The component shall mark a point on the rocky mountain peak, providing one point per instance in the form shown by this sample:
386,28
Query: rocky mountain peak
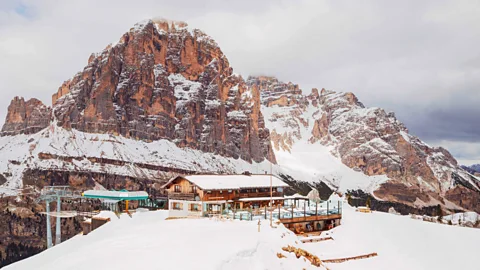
161,80
26,117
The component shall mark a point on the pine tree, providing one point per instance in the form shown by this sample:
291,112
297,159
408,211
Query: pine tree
369,202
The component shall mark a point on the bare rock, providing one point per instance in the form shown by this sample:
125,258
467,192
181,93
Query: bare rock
26,117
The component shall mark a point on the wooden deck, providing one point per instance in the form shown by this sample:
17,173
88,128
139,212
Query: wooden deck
310,218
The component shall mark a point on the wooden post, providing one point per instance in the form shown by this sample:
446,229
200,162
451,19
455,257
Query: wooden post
292,210
327,208
304,208
265,212
279,214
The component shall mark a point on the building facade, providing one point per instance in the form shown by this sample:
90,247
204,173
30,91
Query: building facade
220,192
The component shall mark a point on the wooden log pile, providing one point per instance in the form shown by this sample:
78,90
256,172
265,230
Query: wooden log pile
341,260
314,260
314,240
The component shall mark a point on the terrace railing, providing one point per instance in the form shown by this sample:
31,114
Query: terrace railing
316,211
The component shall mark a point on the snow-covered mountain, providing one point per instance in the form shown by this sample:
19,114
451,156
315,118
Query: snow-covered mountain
332,137
164,100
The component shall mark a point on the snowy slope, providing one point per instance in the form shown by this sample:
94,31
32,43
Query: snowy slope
147,241
401,243
312,162
72,150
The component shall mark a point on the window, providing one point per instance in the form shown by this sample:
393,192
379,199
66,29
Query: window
177,206
176,188
280,189
194,207
193,189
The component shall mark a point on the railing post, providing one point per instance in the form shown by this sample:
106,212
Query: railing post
304,209
292,211
265,212
279,214
327,208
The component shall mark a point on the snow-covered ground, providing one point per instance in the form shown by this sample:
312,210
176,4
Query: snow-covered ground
149,241
401,243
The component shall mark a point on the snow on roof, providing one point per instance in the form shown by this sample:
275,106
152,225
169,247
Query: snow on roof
217,182
120,195
296,196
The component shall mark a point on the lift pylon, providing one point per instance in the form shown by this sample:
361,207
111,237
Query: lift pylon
50,194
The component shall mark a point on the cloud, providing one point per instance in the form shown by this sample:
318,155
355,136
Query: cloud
417,58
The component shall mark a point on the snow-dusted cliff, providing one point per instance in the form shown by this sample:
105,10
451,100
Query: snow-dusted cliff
332,137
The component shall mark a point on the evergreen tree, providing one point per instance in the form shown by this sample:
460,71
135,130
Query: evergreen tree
369,202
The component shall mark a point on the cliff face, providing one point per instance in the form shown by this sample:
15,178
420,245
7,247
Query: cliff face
26,117
165,81
367,140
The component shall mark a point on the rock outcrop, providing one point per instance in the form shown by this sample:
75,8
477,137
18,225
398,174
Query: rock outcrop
163,80
26,117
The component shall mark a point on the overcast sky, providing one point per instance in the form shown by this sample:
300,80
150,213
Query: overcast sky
420,59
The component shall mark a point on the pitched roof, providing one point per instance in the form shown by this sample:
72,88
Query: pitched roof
224,182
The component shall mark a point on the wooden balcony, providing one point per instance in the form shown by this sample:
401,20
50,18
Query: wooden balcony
182,196
258,195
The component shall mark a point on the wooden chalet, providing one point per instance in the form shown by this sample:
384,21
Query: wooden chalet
237,191
247,197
